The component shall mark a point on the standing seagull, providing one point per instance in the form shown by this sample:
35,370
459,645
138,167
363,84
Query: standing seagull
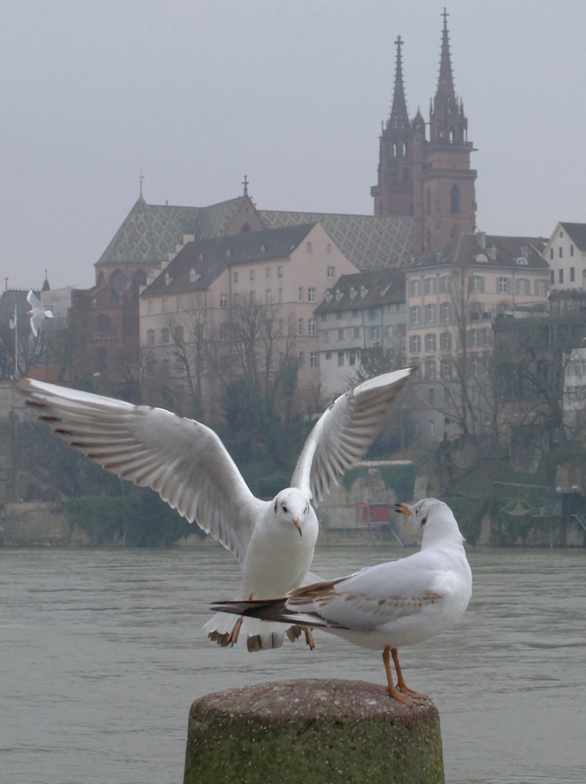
392,604
187,464
38,313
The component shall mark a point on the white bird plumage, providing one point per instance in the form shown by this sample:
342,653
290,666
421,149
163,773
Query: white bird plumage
187,464
390,605
38,313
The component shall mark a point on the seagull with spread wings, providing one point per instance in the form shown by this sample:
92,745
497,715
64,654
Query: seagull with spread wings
390,605
38,313
187,464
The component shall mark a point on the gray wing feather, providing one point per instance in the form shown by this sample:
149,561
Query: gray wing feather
345,431
183,460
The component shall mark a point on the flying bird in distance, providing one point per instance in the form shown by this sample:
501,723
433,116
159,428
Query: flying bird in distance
38,313
187,464
390,605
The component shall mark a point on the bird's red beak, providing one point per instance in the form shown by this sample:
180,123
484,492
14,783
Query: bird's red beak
403,509
297,525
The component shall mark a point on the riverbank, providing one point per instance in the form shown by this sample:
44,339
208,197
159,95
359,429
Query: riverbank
45,524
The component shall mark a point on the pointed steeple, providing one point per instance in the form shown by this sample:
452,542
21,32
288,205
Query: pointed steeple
399,119
445,85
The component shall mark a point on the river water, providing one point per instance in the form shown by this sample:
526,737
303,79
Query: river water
102,653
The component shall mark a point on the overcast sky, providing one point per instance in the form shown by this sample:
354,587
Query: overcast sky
289,92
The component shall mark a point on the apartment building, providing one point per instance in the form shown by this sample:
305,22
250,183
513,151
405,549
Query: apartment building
362,311
277,275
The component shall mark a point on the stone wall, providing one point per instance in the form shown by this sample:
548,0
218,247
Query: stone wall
33,524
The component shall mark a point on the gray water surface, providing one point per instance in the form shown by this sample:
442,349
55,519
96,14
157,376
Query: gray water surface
102,653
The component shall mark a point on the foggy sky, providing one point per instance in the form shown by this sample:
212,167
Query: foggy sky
289,92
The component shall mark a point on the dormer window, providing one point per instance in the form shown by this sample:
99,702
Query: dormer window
167,279
353,292
228,252
339,295
262,248
329,296
521,260
192,276
363,291
481,258
201,256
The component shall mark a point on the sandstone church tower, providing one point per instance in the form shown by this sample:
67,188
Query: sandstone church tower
428,179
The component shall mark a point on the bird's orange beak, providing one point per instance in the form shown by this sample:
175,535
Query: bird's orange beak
297,525
402,509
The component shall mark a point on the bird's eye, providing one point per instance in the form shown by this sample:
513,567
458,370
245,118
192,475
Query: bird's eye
284,508
423,522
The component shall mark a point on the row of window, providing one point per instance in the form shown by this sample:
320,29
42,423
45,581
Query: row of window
476,283
341,357
355,333
560,252
430,313
476,367
395,307
561,275
476,338
310,326
178,336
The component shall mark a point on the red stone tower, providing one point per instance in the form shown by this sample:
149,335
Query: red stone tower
430,180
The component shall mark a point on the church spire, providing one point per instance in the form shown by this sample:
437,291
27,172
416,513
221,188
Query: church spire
399,119
446,93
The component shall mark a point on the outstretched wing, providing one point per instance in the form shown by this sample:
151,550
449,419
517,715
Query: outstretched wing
183,460
345,431
34,301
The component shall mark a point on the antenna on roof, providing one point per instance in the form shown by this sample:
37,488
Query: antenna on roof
141,178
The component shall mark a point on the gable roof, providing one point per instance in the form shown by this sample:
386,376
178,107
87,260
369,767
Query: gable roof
368,241
577,232
209,258
365,290
151,231
486,251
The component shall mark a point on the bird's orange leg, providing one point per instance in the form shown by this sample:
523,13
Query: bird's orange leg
400,680
309,637
404,698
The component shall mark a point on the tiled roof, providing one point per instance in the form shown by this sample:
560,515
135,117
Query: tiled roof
487,250
151,231
209,258
365,290
368,241
577,232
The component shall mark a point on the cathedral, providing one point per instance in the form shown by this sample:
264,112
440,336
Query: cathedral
427,176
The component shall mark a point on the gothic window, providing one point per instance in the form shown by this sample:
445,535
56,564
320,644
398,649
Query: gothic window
103,324
101,358
118,283
455,200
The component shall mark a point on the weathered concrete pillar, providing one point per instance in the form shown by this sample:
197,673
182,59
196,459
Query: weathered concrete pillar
312,732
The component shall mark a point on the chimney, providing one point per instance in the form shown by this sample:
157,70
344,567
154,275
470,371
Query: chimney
481,239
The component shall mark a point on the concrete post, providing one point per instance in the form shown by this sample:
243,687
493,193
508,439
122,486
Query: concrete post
312,732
